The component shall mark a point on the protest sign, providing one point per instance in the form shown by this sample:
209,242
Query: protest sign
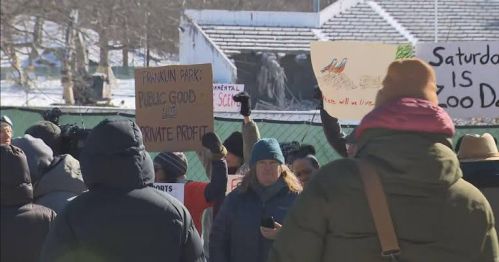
467,76
174,106
222,97
349,74
174,189
233,181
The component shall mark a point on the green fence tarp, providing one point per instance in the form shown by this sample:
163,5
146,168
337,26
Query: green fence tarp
283,131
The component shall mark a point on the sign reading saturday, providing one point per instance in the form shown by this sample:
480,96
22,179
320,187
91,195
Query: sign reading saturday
467,76
176,190
174,106
349,75
222,97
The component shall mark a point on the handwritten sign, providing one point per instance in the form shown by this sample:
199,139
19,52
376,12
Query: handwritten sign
176,190
467,76
174,106
222,97
233,181
349,75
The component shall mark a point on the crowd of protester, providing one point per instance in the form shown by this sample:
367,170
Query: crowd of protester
96,202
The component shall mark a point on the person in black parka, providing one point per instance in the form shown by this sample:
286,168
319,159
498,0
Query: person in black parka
24,225
122,217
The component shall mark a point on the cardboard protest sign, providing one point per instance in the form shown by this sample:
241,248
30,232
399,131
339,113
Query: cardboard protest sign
174,106
467,76
176,190
222,97
233,181
349,74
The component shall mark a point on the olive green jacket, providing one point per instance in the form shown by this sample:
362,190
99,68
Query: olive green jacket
437,215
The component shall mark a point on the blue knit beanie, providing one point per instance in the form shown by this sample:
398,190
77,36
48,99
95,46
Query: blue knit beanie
266,149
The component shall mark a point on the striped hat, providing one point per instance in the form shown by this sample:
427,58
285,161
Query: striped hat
173,163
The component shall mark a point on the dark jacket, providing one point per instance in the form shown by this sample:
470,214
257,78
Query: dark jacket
332,130
24,225
235,235
60,183
121,217
485,176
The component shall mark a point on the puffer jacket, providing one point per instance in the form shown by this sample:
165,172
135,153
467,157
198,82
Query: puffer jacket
122,217
60,183
437,215
38,154
235,235
24,225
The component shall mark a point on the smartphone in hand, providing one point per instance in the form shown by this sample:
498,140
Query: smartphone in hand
267,222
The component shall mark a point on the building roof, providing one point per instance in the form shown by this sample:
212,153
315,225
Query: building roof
458,20
389,21
236,39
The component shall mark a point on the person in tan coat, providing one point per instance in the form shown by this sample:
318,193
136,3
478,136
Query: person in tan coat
437,216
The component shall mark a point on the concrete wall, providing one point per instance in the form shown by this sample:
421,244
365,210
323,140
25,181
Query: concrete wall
197,48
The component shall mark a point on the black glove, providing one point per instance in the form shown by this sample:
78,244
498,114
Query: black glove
212,142
244,99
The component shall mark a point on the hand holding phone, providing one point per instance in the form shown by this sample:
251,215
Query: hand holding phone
267,222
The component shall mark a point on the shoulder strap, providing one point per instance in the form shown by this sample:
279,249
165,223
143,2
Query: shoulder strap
379,209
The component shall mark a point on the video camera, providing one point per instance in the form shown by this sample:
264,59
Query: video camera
73,137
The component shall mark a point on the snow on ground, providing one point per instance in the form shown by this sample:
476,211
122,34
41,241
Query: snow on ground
48,92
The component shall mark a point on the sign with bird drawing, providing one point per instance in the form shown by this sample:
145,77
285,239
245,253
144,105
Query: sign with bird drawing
349,74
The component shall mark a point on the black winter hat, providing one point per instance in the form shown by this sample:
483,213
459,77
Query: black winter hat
174,163
234,144
47,131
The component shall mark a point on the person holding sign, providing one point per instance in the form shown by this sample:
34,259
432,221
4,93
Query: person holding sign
171,167
405,141
122,217
251,215
238,147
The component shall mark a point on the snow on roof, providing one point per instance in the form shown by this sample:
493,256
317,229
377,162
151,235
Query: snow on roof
389,21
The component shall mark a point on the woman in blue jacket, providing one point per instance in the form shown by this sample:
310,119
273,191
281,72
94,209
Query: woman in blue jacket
265,194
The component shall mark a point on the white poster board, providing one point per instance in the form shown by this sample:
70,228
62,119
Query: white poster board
349,74
174,189
222,97
467,76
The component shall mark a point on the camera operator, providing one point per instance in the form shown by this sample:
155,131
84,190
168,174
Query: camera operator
61,180
63,139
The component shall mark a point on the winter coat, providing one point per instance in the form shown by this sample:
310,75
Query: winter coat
122,217
24,225
332,130
437,215
251,134
60,183
235,235
201,195
38,153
